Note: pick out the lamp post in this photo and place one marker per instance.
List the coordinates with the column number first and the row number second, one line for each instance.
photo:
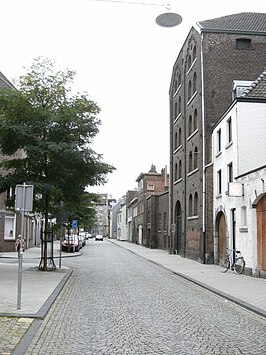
column 167, row 19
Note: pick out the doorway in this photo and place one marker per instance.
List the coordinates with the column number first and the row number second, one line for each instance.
column 178, row 222
column 222, row 235
column 261, row 232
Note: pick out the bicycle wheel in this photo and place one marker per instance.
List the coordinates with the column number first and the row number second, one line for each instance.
column 224, row 264
column 239, row 265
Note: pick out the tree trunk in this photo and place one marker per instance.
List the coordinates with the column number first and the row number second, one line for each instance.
column 44, row 266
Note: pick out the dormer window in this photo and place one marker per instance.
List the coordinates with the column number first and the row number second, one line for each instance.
column 150, row 187
column 243, row 43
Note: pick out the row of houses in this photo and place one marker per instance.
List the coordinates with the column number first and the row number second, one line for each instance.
column 213, row 197
column 10, row 220
column 142, row 215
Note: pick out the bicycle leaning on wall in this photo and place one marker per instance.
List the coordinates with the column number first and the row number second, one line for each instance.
column 233, row 260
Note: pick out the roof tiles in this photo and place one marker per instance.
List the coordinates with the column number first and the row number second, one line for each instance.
column 241, row 22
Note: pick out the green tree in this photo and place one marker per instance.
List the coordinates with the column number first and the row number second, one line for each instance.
column 55, row 130
column 83, row 211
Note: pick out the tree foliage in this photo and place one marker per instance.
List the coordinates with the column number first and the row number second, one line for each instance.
column 54, row 131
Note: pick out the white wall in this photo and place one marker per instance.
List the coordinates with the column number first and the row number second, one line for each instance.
column 251, row 127
column 247, row 152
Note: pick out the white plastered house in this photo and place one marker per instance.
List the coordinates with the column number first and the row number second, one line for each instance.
column 239, row 176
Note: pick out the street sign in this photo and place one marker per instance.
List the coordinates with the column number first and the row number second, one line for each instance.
column 74, row 224
column 24, row 197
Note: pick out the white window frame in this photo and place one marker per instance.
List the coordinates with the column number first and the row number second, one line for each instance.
column 10, row 226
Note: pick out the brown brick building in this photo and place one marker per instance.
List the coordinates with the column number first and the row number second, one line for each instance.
column 10, row 222
column 215, row 53
column 150, row 185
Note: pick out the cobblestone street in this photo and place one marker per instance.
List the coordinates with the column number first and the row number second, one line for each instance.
column 119, row 303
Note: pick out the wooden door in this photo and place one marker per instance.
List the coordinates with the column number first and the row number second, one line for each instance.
column 222, row 242
column 178, row 221
column 261, row 233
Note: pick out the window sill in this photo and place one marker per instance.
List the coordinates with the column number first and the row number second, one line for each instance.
column 177, row 181
column 177, row 117
column 178, row 148
column 192, row 218
column 229, row 145
column 193, row 172
column 191, row 99
column 175, row 93
column 192, row 134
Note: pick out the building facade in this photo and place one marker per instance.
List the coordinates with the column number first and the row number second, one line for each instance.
column 239, row 166
column 131, row 198
column 215, row 53
column 10, row 220
column 102, row 223
column 149, row 184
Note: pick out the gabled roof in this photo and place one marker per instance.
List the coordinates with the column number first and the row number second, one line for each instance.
column 257, row 90
column 4, row 82
column 245, row 22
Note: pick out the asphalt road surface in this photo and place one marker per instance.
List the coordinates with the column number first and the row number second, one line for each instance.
column 116, row 302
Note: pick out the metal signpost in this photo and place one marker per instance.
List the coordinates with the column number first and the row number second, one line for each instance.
column 23, row 203
column 74, row 225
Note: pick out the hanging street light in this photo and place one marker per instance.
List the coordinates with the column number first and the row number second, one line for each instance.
column 167, row 19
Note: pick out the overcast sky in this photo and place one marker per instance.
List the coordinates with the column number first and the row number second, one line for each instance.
column 123, row 60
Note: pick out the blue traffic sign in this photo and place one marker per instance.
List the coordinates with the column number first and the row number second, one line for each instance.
column 74, row 224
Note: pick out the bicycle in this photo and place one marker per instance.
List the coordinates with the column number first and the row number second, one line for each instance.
column 233, row 260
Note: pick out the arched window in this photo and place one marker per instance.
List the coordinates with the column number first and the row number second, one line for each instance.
column 179, row 105
column 195, row 119
column 196, row 158
column 189, row 125
column 175, row 86
column 175, row 171
column 164, row 221
column 179, row 79
column 194, row 53
column 180, row 169
column 189, row 93
column 190, row 161
column 194, row 83
column 190, row 205
column 175, row 145
column 189, row 61
column 179, row 136
column 175, row 109
column 196, row 204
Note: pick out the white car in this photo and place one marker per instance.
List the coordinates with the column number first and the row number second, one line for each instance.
column 99, row 237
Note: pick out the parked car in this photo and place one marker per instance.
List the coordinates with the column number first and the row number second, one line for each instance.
column 82, row 240
column 99, row 237
column 71, row 243
column 88, row 235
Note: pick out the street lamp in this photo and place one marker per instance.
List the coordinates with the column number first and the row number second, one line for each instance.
column 167, row 19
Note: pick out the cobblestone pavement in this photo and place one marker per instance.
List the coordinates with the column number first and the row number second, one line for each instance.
column 12, row 330
column 118, row 303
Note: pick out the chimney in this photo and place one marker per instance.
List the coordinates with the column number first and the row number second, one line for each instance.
column 153, row 169
column 165, row 177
